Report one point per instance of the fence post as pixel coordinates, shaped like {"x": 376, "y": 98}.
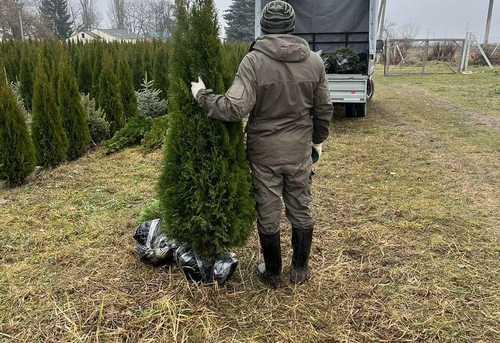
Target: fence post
{"x": 483, "y": 52}
{"x": 464, "y": 55}
{"x": 386, "y": 59}
{"x": 426, "y": 57}
{"x": 467, "y": 56}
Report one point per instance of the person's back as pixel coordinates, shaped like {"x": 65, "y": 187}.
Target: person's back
{"x": 287, "y": 76}
{"x": 282, "y": 86}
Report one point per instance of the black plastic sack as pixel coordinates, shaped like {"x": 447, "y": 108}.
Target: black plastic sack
{"x": 224, "y": 268}
{"x": 346, "y": 61}
{"x": 153, "y": 247}
{"x": 201, "y": 270}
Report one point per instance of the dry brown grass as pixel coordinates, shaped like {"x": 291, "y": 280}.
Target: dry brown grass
{"x": 406, "y": 247}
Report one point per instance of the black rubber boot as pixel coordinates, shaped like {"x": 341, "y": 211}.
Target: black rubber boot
{"x": 301, "y": 242}
{"x": 270, "y": 271}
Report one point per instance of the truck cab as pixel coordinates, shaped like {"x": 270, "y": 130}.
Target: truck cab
{"x": 336, "y": 29}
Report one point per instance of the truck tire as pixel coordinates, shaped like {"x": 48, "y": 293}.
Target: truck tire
{"x": 370, "y": 89}
{"x": 350, "y": 111}
{"x": 361, "y": 110}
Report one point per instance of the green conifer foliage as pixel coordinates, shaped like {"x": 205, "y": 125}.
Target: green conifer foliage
{"x": 160, "y": 66}
{"x": 139, "y": 67}
{"x": 17, "y": 155}
{"x": 127, "y": 91}
{"x": 109, "y": 95}
{"x": 48, "y": 134}
{"x": 150, "y": 104}
{"x": 240, "y": 19}
{"x": 232, "y": 54}
{"x": 26, "y": 77}
{"x": 205, "y": 187}
{"x": 85, "y": 72}
{"x": 97, "y": 61}
{"x": 55, "y": 14}
{"x": 71, "y": 110}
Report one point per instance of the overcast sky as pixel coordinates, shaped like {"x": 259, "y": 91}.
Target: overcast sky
{"x": 434, "y": 18}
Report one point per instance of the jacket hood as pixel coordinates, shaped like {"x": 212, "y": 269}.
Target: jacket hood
{"x": 283, "y": 48}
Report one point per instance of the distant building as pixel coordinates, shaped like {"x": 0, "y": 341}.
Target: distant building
{"x": 106, "y": 35}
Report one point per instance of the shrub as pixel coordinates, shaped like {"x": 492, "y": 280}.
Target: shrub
{"x": 443, "y": 51}
{"x": 132, "y": 134}
{"x": 96, "y": 120}
{"x": 232, "y": 54}
{"x": 127, "y": 92}
{"x": 160, "y": 67}
{"x": 17, "y": 154}
{"x": 26, "y": 78}
{"x": 109, "y": 95}
{"x": 16, "y": 90}
{"x": 71, "y": 110}
{"x": 51, "y": 143}
{"x": 149, "y": 101}
{"x": 205, "y": 187}
{"x": 155, "y": 138}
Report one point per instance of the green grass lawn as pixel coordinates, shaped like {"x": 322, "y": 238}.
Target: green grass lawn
{"x": 478, "y": 92}
{"x": 407, "y": 205}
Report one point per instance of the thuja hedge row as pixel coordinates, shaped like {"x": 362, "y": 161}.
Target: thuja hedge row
{"x": 51, "y": 76}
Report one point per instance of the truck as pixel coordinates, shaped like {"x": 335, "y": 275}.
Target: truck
{"x": 331, "y": 25}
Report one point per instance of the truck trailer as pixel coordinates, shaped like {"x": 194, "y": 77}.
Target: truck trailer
{"x": 334, "y": 27}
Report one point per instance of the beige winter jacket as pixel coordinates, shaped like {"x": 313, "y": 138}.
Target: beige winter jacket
{"x": 282, "y": 86}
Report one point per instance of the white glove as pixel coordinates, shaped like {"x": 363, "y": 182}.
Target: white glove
{"x": 197, "y": 86}
{"x": 319, "y": 150}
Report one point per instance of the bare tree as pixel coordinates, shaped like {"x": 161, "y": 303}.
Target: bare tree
{"x": 20, "y": 19}
{"x": 162, "y": 14}
{"x": 137, "y": 17}
{"x": 88, "y": 16}
{"x": 409, "y": 31}
{"x": 117, "y": 13}
{"x": 148, "y": 18}
{"x": 11, "y": 18}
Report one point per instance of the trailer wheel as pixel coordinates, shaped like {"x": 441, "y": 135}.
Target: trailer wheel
{"x": 370, "y": 91}
{"x": 361, "y": 110}
{"x": 350, "y": 111}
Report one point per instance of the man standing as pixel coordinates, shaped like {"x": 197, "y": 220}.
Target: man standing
{"x": 283, "y": 86}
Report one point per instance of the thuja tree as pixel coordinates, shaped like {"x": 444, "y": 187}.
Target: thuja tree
{"x": 127, "y": 91}
{"x": 26, "y": 76}
{"x": 71, "y": 110}
{"x": 17, "y": 155}
{"x": 205, "y": 188}
{"x": 85, "y": 71}
{"x": 109, "y": 95}
{"x": 48, "y": 133}
{"x": 160, "y": 67}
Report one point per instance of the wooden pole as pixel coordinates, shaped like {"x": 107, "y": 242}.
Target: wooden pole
{"x": 488, "y": 23}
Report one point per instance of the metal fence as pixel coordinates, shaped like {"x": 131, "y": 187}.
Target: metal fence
{"x": 424, "y": 56}
{"x": 437, "y": 56}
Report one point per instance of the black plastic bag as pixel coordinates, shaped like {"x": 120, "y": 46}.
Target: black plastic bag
{"x": 224, "y": 268}
{"x": 346, "y": 61}
{"x": 153, "y": 247}
{"x": 202, "y": 270}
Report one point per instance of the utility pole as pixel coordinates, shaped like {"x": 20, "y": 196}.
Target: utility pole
{"x": 381, "y": 19}
{"x": 258, "y": 10}
{"x": 20, "y": 14}
{"x": 488, "y": 23}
